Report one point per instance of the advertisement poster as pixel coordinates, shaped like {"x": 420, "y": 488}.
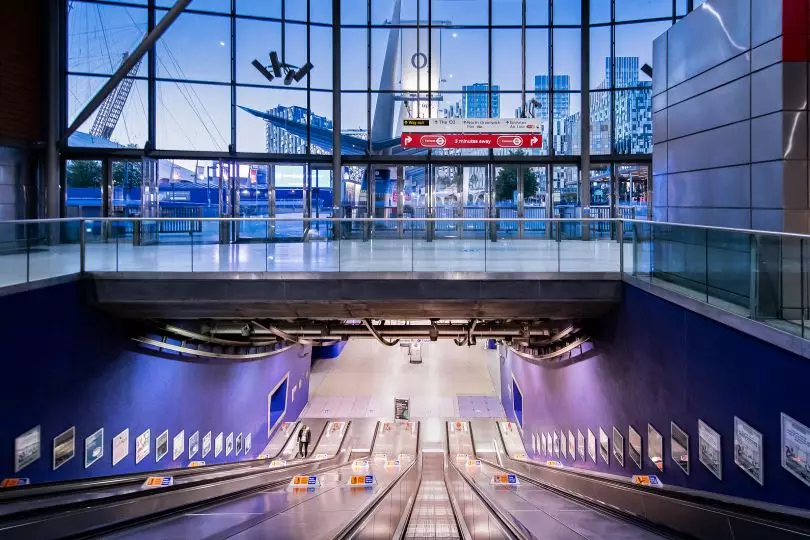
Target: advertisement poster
{"x": 543, "y": 443}
{"x": 193, "y": 444}
{"x": 247, "y": 443}
{"x": 591, "y": 445}
{"x": 26, "y": 449}
{"x": 93, "y": 448}
{"x": 581, "y": 445}
{"x": 162, "y": 445}
{"x": 655, "y": 447}
{"x": 229, "y": 444}
{"x": 572, "y": 445}
{"x": 534, "y": 443}
{"x": 709, "y": 449}
{"x": 563, "y": 444}
{"x": 402, "y": 409}
{"x": 603, "y": 446}
{"x": 556, "y": 445}
{"x": 206, "y": 444}
{"x": 179, "y": 444}
{"x": 142, "y": 445}
{"x": 680, "y": 447}
{"x": 796, "y": 448}
{"x": 618, "y": 446}
{"x": 218, "y": 445}
{"x": 549, "y": 444}
{"x": 238, "y": 444}
{"x": 64, "y": 447}
{"x": 634, "y": 446}
{"x": 120, "y": 446}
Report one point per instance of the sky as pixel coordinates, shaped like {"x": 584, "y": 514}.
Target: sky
{"x": 197, "y": 48}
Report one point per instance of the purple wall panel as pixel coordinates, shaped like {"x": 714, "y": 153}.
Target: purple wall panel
{"x": 71, "y": 365}
{"x": 659, "y": 363}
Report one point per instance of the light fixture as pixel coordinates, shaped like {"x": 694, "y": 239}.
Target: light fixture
{"x": 289, "y": 78}
{"x": 301, "y": 73}
{"x": 275, "y": 63}
{"x": 263, "y": 70}
{"x": 647, "y": 70}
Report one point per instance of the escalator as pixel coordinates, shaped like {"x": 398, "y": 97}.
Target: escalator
{"x": 78, "y": 508}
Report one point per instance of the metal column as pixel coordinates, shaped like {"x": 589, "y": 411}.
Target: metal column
{"x": 585, "y": 129}
{"x": 337, "y": 172}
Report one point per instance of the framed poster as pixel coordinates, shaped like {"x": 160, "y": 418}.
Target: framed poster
{"x": 143, "y": 445}
{"x": 193, "y": 444}
{"x": 179, "y": 444}
{"x": 634, "y": 446}
{"x": 709, "y": 449}
{"x": 591, "y": 445}
{"x": 543, "y": 442}
{"x": 748, "y": 450}
{"x": 679, "y": 451}
{"x": 238, "y": 445}
{"x": 27, "y": 449}
{"x": 64, "y": 447}
{"x": 581, "y": 445}
{"x": 563, "y": 444}
{"x": 572, "y": 445}
{"x": 120, "y": 447}
{"x": 229, "y": 444}
{"x": 550, "y": 445}
{"x": 604, "y": 446}
{"x": 655, "y": 447}
{"x": 402, "y": 409}
{"x": 618, "y": 446}
{"x": 796, "y": 448}
{"x": 218, "y": 445}
{"x": 534, "y": 443}
{"x": 161, "y": 445}
{"x": 247, "y": 443}
{"x": 556, "y": 445}
{"x": 93, "y": 448}
{"x": 206, "y": 444}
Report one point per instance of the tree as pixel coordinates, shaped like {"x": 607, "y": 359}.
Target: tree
{"x": 84, "y": 173}
{"x": 506, "y": 182}
{"x": 127, "y": 174}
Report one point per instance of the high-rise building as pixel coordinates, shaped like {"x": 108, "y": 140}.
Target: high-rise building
{"x": 282, "y": 141}
{"x": 626, "y": 71}
{"x": 562, "y": 101}
{"x": 474, "y": 101}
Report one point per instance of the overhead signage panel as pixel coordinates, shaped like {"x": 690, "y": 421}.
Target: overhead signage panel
{"x": 453, "y": 140}
{"x": 471, "y": 125}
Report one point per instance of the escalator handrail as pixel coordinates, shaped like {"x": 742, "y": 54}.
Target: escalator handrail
{"x": 726, "y": 509}
{"x": 33, "y": 513}
{"x": 402, "y": 526}
{"x": 510, "y": 525}
{"x": 53, "y": 489}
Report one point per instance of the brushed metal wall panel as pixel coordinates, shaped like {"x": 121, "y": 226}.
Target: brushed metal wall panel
{"x": 779, "y": 87}
{"x": 720, "y": 217}
{"x": 660, "y": 132}
{"x": 659, "y": 102}
{"x": 780, "y": 185}
{"x": 728, "y": 187}
{"x": 766, "y": 54}
{"x": 659, "y": 158}
{"x": 766, "y": 20}
{"x": 722, "y": 147}
{"x": 780, "y": 135}
{"x": 659, "y": 190}
{"x": 723, "y": 29}
{"x": 724, "y": 105}
{"x": 717, "y": 76}
{"x": 660, "y": 64}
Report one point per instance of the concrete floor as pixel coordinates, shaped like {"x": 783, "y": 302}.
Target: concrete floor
{"x": 363, "y": 381}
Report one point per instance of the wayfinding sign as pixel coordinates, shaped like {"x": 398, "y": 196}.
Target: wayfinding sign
{"x": 471, "y": 133}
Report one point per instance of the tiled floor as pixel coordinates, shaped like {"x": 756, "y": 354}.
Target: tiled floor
{"x": 345, "y": 256}
{"x": 364, "y": 379}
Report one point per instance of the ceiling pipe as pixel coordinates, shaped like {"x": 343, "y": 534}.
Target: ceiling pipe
{"x": 381, "y": 339}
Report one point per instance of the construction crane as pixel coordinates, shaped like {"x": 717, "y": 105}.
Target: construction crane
{"x": 110, "y": 111}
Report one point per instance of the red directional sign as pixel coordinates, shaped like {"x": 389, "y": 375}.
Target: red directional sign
{"x": 453, "y": 140}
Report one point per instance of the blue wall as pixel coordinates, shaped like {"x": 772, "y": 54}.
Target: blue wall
{"x": 328, "y": 351}
{"x": 67, "y": 364}
{"x": 657, "y": 362}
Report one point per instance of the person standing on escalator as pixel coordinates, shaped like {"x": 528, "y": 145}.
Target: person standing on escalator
{"x": 304, "y": 436}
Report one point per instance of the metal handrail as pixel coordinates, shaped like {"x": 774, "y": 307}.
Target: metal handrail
{"x": 407, "y": 220}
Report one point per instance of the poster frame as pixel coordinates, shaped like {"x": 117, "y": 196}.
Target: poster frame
{"x": 636, "y": 454}
{"x": 715, "y": 469}
{"x": 145, "y": 436}
{"x": 72, "y": 433}
{"x": 652, "y": 436}
{"x": 123, "y": 435}
{"x": 672, "y": 428}
{"x": 783, "y": 457}
{"x": 618, "y": 446}
{"x": 165, "y": 443}
{"x": 92, "y": 439}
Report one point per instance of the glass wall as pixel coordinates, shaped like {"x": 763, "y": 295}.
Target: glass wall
{"x": 225, "y": 84}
